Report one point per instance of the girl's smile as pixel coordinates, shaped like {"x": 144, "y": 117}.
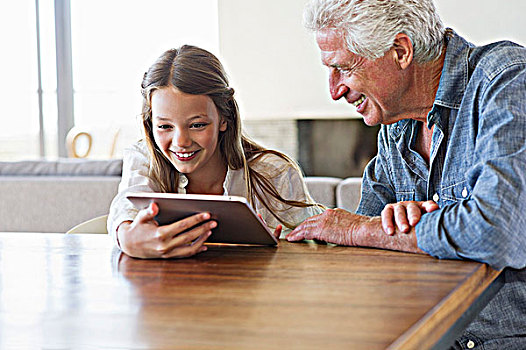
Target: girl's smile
{"x": 184, "y": 156}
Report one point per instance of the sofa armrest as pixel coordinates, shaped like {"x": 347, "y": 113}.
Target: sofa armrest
{"x": 53, "y": 203}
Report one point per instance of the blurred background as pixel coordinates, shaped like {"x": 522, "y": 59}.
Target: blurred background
{"x": 72, "y": 67}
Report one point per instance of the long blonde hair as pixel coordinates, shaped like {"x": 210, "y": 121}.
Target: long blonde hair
{"x": 193, "y": 70}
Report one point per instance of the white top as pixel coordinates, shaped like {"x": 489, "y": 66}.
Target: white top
{"x": 286, "y": 179}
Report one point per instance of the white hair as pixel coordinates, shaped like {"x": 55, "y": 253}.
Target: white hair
{"x": 369, "y": 27}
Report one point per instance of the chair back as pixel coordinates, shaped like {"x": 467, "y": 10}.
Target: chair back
{"x": 95, "y": 225}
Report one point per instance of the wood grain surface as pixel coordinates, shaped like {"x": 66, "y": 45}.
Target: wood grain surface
{"x": 78, "y": 292}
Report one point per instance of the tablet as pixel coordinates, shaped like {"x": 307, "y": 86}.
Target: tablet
{"x": 237, "y": 222}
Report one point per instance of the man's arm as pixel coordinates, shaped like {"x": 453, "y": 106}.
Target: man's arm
{"x": 344, "y": 228}
{"x": 488, "y": 225}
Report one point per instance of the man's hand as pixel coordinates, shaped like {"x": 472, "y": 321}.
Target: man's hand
{"x": 344, "y": 228}
{"x": 405, "y": 215}
{"x": 332, "y": 226}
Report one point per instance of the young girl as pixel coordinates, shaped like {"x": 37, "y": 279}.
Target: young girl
{"x": 194, "y": 144}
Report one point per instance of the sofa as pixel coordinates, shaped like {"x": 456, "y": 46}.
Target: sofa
{"x": 54, "y": 196}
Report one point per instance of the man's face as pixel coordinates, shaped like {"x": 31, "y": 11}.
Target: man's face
{"x": 375, "y": 88}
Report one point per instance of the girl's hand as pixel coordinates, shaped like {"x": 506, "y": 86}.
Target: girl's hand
{"x": 405, "y": 215}
{"x": 277, "y": 231}
{"x": 144, "y": 238}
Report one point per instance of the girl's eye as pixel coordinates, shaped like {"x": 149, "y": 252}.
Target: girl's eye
{"x": 164, "y": 127}
{"x": 198, "y": 125}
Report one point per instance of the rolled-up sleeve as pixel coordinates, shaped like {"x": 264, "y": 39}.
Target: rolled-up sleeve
{"x": 488, "y": 226}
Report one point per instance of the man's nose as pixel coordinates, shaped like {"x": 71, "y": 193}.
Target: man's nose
{"x": 336, "y": 86}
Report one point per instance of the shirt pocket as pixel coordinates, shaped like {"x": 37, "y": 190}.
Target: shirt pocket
{"x": 405, "y": 195}
{"x": 455, "y": 193}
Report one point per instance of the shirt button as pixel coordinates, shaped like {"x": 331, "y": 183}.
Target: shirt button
{"x": 465, "y": 192}
{"x": 470, "y": 344}
{"x": 436, "y": 197}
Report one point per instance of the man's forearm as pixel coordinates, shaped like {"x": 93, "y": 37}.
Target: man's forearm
{"x": 342, "y": 227}
{"x": 369, "y": 233}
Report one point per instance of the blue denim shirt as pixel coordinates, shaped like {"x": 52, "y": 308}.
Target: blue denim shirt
{"x": 477, "y": 175}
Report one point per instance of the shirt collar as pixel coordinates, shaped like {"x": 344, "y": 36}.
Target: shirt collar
{"x": 455, "y": 73}
{"x": 183, "y": 182}
{"x": 452, "y": 85}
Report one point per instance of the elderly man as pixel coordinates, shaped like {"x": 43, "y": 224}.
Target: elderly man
{"x": 449, "y": 178}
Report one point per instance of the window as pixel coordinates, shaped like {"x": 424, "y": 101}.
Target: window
{"x": 112, "y": 45}
{"x": 20, "y": 131}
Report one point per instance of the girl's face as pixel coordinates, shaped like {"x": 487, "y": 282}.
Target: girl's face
{"x": 186, "y": 129}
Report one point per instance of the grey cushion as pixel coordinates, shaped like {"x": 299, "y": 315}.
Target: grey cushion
{"x": 323, "y": 189}
{"x": 348, "y": 193}
{"x": 62, "y": 167}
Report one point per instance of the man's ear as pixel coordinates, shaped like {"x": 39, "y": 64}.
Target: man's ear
{"x": 403, "y": 50}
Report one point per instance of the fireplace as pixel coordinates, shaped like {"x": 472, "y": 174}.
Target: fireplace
{"x": 335, "y": 147}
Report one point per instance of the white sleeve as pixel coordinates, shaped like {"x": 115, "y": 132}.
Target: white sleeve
{"x": 135, "y": 169}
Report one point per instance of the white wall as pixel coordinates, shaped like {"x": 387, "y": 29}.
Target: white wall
{"x": 274, "y": 63}
{"x": 485, "y": 21}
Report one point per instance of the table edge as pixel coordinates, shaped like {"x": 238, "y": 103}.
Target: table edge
{"x": 429, "y": 329}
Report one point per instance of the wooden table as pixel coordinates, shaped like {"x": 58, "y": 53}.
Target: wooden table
{"x": 78, "y": 292}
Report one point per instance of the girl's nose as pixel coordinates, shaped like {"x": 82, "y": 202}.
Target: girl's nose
{"x": 181, "y": 138}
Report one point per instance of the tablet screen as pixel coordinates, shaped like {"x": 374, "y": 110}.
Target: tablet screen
{"x": 237, "y": 222}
